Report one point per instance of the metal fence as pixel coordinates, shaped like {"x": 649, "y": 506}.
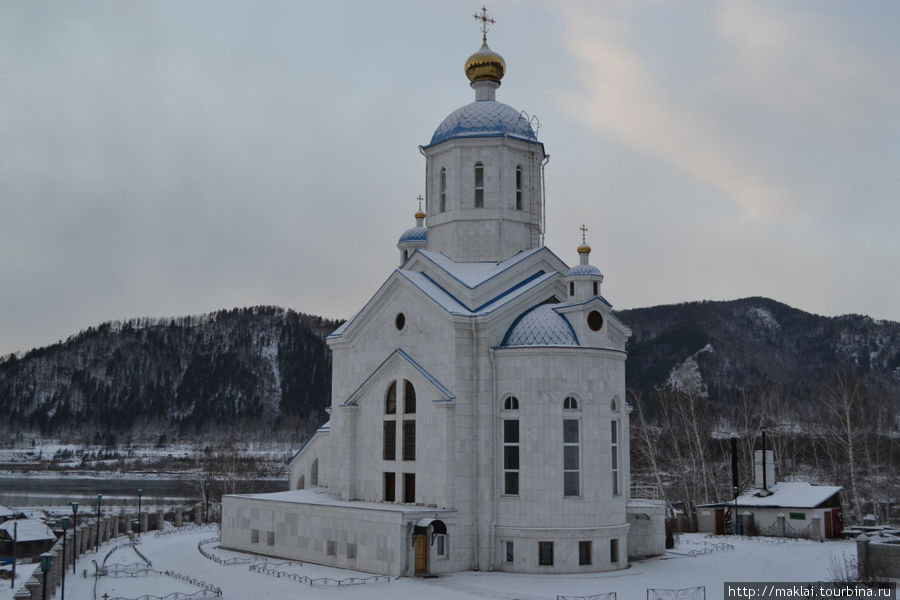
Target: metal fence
{"x": 691, "y": 593}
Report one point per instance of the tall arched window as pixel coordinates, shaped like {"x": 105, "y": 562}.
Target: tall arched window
{"x": 511, "y": 403}
{"x": 389, "y": 427}
{"x": 479, "y": 185}
{"x": 409, "y": 423}
{"x": 443, "y": 186}
{"x": 519, "y": 187}
{"x": 511, "y": 457}
{"x": 614, "y": 454}
{"x": 314, "y": 473}
{"x": 571, "y": 458}
{"x": 570, "y": 403}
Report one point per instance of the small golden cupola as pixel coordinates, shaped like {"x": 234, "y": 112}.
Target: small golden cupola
{"x": 485, "y": 68}
{"x": 485, "y": 65}
{"x": 584, "y": 279}
{"x": 415, "y": 237}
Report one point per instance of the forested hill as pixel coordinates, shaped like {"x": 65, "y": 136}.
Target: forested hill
{"x": 717, "y": 348}
{"x": 224, "y": 370}
{"x": 259, "y": 368}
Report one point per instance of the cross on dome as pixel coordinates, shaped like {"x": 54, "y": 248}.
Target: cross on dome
{"x": 584, "y": 250}
{"x": 484, "y": 22}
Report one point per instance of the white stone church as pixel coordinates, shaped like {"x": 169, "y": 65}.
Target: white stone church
{"x": 478, "y": 416}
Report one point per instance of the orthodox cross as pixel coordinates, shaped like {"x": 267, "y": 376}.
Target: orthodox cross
{"x": 420, "y": 202}
{"x": 484, "y": 22}
{"x": 583, "y": 233}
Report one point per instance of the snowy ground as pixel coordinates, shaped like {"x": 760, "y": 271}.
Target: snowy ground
{"x": 696, "y": 561}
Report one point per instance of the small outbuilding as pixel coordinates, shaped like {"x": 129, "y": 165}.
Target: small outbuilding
{"x": 32, "y": 538}
{"x": 786, "y": 509}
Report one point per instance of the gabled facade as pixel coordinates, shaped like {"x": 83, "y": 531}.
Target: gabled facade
{"x": 478, "y": 415}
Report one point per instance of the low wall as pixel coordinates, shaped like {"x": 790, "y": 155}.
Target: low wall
{"x": 647, "y": 534}
{"x": 877, "y": 559}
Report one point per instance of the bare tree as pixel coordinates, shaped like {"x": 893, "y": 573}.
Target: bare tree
{"x": 844, "y": 404}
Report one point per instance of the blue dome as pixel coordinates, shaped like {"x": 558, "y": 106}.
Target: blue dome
{"x": 541, "y": 326}
{"x": 484, "y": 118}
{"x": 415, "y": 234}
{"x": 584, "y": 270}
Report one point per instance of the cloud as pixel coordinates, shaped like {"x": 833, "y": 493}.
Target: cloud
{"x": 759, "y": 102}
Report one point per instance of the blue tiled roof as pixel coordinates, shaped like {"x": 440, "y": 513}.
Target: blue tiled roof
{"x": 415, "y": 234}
{"x": 541, "y": 326}
{"x": 484, "y": 118}
{"x": 584, "y": 270}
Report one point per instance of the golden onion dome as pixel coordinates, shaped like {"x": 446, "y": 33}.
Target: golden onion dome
{"x": 485, "y": 65}
{"x": 584, "y": 249}
{"x": 419, "y": 214}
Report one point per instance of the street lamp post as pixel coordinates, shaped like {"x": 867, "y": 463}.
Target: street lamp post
{"x": 99, "y": 501}
{"x": 62, "y": 589}
{"x": 206, "y": 501}
{"x": 74, "y": 535}
{"x": 140, "y": 494}
{"x": 46, "y": 559}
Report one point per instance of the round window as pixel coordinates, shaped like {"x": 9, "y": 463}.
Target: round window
{"x": 400, "y": 321}
{"x": 595, "y": 320}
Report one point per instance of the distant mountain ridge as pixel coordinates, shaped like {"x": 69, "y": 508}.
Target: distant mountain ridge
{"x": 220, "y": 370}
{"x": 265, "y": 367}
{"x": 722, "y": 346}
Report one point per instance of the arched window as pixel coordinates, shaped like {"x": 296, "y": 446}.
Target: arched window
{"x": 519, "y": 187}
{"x": 390, "y": 399}
{"x": 612, "y": 405}
{"x": 443, "y": 186}
{"x": 571, "y": 288}
{"x": 570, "y": 403}
{"x": 314, "y": 473}
{"x": 409, "y": 427}
{"x": 596, "y": 289}
{"x": 409, "y": 397}
{"x": 511, "y": 403}
{"x": 405, "y": 255}
{"x": 479, "y": 185}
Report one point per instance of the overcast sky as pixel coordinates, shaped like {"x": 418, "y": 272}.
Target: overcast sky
{"x": 173, "y": 158}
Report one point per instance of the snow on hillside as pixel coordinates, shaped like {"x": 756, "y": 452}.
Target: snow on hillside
{"x": 696, "y": 561}
{"x": 685, "y": 377}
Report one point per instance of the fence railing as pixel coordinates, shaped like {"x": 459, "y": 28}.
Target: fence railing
{"x": 271, "y": 570}
{"x": 691, "y": 593}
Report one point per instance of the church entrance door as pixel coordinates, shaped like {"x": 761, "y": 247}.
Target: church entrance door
{"x": 421, "y": 545}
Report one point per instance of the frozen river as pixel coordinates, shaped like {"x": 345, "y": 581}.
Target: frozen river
{"x": 23, "y": 491}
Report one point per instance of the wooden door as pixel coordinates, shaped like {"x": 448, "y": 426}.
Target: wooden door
{"x": 421, "y": 545}
{"x": 720, "y": 521}
{"x": 826, "y": 517}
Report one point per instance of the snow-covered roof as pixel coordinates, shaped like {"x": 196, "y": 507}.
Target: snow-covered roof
{"x": 29, "y": 530}
{"x": 321, "y": 496}
{"x": 414, "y": 234}
{"x": 6, "y": 512}
{"x": 473, "y": 274}
{"x": 584, "y": 270}
{"x": 484, "y": 118}
{"x": 541, "y": 326}
{"x": 463, "y": 299}
{"x": 790, "y": 494}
